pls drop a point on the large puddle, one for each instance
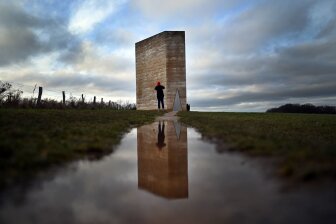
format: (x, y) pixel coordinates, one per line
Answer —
(166, 173)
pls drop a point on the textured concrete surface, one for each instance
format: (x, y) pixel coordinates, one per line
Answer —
(161, 58)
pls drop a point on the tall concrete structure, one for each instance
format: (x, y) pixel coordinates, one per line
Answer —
(161, 58)
(163, 159)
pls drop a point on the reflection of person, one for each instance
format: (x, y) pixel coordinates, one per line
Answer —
(161, 136)
(159, 93)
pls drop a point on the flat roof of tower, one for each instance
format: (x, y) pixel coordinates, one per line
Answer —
(159, 34)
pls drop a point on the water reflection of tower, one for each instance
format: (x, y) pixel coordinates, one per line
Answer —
(163, 159)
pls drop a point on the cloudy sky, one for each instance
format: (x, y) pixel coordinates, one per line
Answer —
(241, 55)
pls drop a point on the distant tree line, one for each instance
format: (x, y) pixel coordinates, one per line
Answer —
(303, 108)
(12, 98)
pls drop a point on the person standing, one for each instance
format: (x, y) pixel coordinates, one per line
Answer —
(159, 93)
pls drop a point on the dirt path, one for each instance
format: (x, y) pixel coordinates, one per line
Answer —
(170, 116)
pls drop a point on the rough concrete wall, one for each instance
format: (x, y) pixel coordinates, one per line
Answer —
(164, 171)
(150, 68)
(176, 68)
(160, 58)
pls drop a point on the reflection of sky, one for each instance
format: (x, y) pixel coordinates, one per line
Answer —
(240, 45)
(223, 188)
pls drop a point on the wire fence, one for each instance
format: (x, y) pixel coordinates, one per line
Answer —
(20, 93)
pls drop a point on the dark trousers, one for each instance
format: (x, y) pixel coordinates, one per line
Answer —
(160, 99)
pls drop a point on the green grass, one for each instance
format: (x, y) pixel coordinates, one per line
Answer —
(304, 144)
(32, 140)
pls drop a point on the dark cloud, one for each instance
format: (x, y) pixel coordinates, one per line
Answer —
(291, 66)
(272, 93)
(266, 23)
(17, 41)
(273, 52)
(24, 35)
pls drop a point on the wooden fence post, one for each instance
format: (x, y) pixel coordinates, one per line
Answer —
(102, 101)
(63, 93)
(39, 95)
(82, 98)
(109, 103)
(9, 97)
(94, 100)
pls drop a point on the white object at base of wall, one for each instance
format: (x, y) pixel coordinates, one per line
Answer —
(177, 102)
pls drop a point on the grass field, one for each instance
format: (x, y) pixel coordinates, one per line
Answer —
(304, 144)
(32, 140)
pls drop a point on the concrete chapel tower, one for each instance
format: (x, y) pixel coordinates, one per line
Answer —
(161, 58)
